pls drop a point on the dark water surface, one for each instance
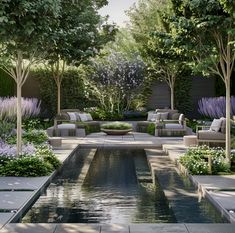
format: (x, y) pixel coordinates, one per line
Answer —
(117, 189)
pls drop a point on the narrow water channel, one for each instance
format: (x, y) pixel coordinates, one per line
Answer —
(118, 188)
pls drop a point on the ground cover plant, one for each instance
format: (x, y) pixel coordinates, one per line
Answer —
(196, 160)
(33, 161)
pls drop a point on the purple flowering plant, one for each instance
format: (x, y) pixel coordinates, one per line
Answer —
(215, 107)
(30, 108)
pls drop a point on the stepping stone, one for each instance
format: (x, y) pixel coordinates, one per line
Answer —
(14, 200)
(22, 183)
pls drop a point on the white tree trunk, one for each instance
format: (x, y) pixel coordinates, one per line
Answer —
(19, 121)
(172, 97)
(228, 123)
(58, 97)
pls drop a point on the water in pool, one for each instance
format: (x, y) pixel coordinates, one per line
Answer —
(118, 188)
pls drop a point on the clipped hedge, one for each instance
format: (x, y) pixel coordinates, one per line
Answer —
(7, 84)
(72, 91)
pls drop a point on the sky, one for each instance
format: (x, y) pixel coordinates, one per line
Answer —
(116, 10)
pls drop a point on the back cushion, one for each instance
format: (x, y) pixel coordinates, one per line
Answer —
(72, 116)
(216, 125)
(164, 115)
(83, 116)
(151, 116)
(175, 116)
(89, 117)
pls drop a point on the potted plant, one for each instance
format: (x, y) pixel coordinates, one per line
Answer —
(116, 128)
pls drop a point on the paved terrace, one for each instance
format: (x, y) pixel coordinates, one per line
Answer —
(17, 193)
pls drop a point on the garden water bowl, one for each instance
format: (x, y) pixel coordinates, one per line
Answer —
(116, 128)
(116, 131)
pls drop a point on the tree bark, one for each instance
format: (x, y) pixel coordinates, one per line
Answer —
(19, 121)
(172, 96)
(228, 123)
(58, 97)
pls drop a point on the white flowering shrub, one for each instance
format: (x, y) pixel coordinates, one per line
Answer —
(196, 160)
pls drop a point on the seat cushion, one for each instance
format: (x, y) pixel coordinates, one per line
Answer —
(66, 126)
(173, 126)
(210, 135)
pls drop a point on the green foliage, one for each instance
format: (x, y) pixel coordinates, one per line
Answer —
(41, 163)
(151, 129)
(90, 128)
(36, 123)
(72, 92)
(36, 137)
(183, 87)
(195, 160)
(26, 166)
(117, 125)
(6, 129)
(44, 152)
(114, 81)
(7, 84)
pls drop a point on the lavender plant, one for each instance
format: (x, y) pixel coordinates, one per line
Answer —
(215, 107)
(30, 108)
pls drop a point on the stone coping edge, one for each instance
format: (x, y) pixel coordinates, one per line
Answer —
(36, 194)
(203, 192)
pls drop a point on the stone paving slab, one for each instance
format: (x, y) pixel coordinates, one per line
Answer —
(22, 183)
(29, 228)
(77, 228)
(4, 217)
(118, 228)
(114, 228)
(211, 228)
(158, 228)
(216, 182)
(13, 200)
(226, 199)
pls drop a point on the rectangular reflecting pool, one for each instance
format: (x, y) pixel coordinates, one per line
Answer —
(119, 188)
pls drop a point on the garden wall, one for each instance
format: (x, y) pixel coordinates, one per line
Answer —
(201, 87)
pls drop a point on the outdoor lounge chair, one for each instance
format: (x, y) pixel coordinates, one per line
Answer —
(63, 123)
(171, 127)
(158, 114)
(214, 133)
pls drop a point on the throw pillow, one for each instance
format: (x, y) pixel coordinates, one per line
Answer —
(72, 116)
(216, 125)
(151, 116)
(83, 116)
(164, 115)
